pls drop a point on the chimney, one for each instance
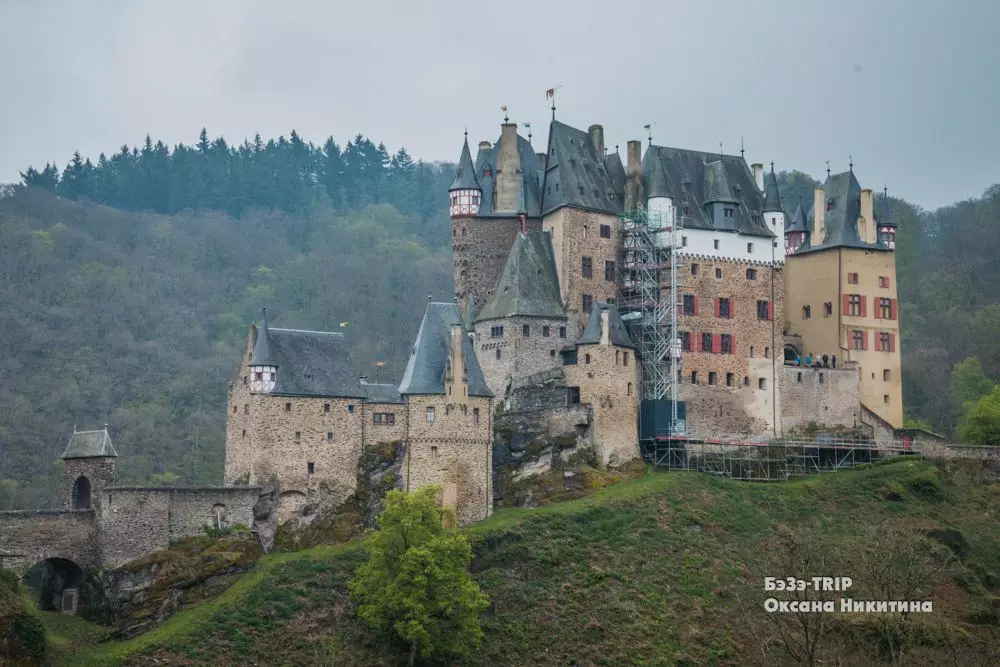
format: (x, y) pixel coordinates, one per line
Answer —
(866, 231)
(633, 176)
(508, 176)
(819, 211)
(485, 145)
(758, 175)
(543, 158)
(597, 139)
(605, 327)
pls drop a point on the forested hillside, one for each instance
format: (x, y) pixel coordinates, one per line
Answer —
(126, 288)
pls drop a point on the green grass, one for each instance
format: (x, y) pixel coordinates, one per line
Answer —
(642, 572)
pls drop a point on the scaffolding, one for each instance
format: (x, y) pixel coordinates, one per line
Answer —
(648, 285)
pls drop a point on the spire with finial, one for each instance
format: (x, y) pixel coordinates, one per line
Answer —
(850, 163)
(828, 169)
(528, 126)
(743, 156)
(550, 94)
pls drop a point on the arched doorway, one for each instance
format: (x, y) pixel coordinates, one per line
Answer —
(56, 581)
(790, 353)
(81, 493)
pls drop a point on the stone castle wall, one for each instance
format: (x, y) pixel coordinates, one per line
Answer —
(99, 471)
(826, 396)
(452, 451)
(27, 537)
(520, 355)
(384, 432)
(479, 248)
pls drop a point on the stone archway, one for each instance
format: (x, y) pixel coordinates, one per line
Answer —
(56, 582)
(790, 352)
(81, 493)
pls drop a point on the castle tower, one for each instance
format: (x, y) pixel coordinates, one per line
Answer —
(263, 368)
(464, 193)
(886, 226)
(796, 231)
(89, 466)
(774, 213)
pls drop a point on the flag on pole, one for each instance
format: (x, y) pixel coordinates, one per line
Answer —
(527, 125)
(551, 92)
(503, 107)
(646, 127)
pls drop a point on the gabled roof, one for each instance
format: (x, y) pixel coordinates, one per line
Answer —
(382, 393)
(465, 174)
(531, 176)
(798, 222)
(842, 194)
(655, 176)
(313, 363)
(262, 355)
(686, 172)
(529, 284)
(592, 332)
(425, 371)
(772, 198)
(616, 172)
(90, 444)
(575, 175)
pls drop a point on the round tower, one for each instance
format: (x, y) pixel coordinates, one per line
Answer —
(774, 214)
(886, 227)
(464, 193)
(263, 368)
(795, 232)
(659, 195)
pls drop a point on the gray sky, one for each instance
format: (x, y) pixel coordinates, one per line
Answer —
(910, 88)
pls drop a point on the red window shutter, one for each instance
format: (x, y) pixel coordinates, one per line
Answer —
(892, 342)
(864, 340)
(732, 344)
(878, 342)
(876, 308)
(696, 343)
(732, 308)
(892, 309)
(847, 304)
(864, 305)
(695, 304)
(770, 310)
(717, 302)
(716, 343)
(888, 282)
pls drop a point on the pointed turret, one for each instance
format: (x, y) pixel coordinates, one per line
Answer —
(772, 198)
(657, 184)
(886, 225)
(465, 192)
(263, 368)
(262, 349)
(795, 232)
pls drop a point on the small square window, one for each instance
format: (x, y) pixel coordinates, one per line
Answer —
(694, 377)
(350, 408)
(329, 436)
(767, 353)
(258, 376)
(694, 269)
(545, 332)
(715, 244)
(605, 231)
(718, 273)
(828, 309)
(751, 274)
(497, 354)
(288, 407)
(562, 332)
(749, 247)
(885, 399)
(806, 312)
(730, 379)
(430, 414)
(525, 330)
(885, 375)
(711, 377)
(298, 435)
(310, 467)
(572, 395)
(746, 381)
(761, 383)
(552, 353)
(326, 407)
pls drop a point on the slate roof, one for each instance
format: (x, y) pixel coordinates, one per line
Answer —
(465, 174)
(312, 363)
(616, 172)
(89, 444)
(772, 198)
(798, 221)
(730, 179)
(842, 193)
(654, 176)
(575, 175)
(262, 355)
(529, 284)
(425, 370)
(592, 332)
(382, 393)
(531, 177)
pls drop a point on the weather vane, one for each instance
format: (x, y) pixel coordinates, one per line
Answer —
(550, 94)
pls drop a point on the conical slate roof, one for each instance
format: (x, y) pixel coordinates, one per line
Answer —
(798, 223)
(717, 187)
(884, 219)
(425, 371)
(772, 198)
(616, 172)
(90, 444)
(262, 355)
(529, 285)
(657, 184)
(465, 175)
(592, 332)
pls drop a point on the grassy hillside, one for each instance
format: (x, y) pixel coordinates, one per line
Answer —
(658, 570)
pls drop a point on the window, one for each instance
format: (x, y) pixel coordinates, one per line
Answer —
(715, 244)
(727, 212)
(552, 353)
(749, 247)
(487, 173)
(326, 407)
(310, 467)
(587, 267)
(751, 274)
(628, 389)
(690, 304)
(605, 231)
(572, 395)
(245, 380)
(828, 309)
(350, 408)
(498, 353)
(762, 383)
(706, 342)
(746, 381)
(821, 378)
(711, 377)
(726, 344)
(857, 340)
(767, 353)
(244, 433)
(588, 303)
(525, 330)
(545, 331)
(883, 282)
(854, 304)
(694, 269)
(434, 453)
(609, 270)
(718, 273)
(618, 357)
(806, 312)
(288, 407)
(724, 308)
(234, 409)
(684, 239)
(799, 376)
(885, 375)
(885, 399)
(496, 332)
(694, 377)
(730, 379)
(751, 352)
(258, 376)
(272, 377)
(430, 414)
(298, 436)
(585, 231)
(685, 341)
(625, 359)
(763, 310)
(852, 279)
(562, 332)
(586, 358)
(329, 436)
(475, 415)
(885, 309)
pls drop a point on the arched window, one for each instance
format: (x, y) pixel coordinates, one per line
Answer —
(81, 493)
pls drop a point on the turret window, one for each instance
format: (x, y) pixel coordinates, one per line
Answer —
(545, 331)
(751, 274)
(258, 376)
(329, 436)
(430, 415)
(625, 359)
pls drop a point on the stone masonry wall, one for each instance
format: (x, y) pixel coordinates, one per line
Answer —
(452, 451)
(100, 472)
(826, 396)
(479, 251)
(609, 383)
(575, 235)
(738, 403)
(520, 355)
(28, 537)
(239, 426)
(376, 433)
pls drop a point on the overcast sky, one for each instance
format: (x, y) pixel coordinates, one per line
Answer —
(910, 88)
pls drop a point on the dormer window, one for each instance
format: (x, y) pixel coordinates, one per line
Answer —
(487, 173)
(829, 204)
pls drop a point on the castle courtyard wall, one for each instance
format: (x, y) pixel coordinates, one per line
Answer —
(826, 396)
(383, 432)
(30, 536)
(520, 355)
